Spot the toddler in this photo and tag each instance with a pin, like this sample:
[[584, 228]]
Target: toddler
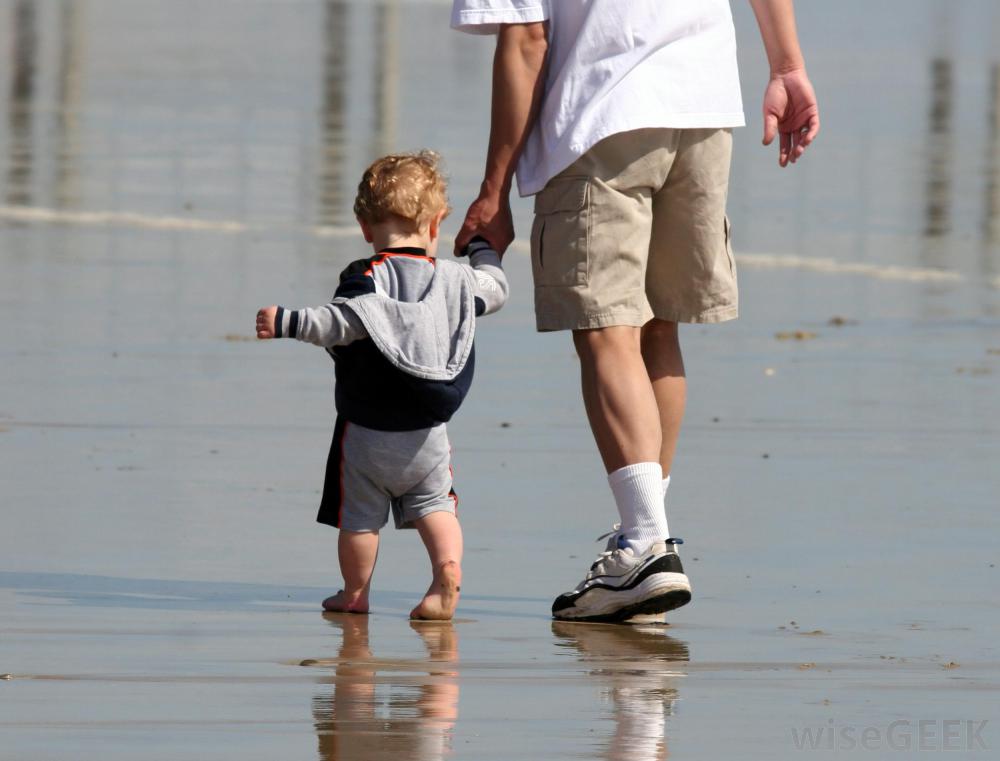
[[400, 330]]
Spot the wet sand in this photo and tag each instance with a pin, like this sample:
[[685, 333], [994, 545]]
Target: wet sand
[[160, 570]]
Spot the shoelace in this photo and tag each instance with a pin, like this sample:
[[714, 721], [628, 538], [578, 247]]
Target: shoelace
[[614, 530], [601, 557], [606, 554]]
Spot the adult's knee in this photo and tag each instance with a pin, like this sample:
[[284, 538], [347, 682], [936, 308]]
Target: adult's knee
[[660, 336], [610, 340], [659, 330]]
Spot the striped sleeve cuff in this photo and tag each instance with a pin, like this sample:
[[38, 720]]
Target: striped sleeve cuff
[[286, 323], [485, 257], [476, 245]]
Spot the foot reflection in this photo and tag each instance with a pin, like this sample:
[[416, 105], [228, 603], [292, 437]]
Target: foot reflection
[[640, 667], [379, 708]]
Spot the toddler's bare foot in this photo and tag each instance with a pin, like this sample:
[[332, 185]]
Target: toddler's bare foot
[[345, 603], [442, 596]]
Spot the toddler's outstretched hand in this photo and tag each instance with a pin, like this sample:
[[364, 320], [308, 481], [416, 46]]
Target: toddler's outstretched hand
[[265, 322]]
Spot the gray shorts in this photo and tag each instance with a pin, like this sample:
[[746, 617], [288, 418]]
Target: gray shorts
[[369, 473]]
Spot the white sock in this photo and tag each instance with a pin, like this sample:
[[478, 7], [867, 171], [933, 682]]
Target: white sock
[[666, 485], [638, 491]]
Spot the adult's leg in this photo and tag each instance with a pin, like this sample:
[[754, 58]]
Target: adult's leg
[[661, 354], [624, 417], [618, 395], [691, 275], [357, 552], [638, 574]]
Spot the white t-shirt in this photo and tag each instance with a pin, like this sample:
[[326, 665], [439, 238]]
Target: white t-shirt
[[618, 65]]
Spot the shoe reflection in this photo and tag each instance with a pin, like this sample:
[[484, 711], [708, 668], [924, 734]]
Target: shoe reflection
[[639, 667], [388, 709]]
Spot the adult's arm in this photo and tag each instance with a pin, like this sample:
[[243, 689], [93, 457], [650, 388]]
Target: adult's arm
[[518, 66], [790, 107]]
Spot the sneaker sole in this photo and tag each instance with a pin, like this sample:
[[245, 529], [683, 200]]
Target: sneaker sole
[[659, 593]]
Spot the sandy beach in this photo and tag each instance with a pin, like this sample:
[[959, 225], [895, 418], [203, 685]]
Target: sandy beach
[[168, 166]]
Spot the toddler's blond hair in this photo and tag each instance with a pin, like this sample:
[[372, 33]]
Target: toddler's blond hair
[[409, 186]]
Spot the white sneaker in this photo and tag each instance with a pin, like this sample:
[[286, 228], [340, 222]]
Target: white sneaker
[[621, 585]]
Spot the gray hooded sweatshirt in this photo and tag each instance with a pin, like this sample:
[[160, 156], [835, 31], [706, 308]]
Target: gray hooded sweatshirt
[[401, 330]]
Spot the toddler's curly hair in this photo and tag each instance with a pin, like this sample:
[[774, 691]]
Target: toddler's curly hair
[[409, 186]]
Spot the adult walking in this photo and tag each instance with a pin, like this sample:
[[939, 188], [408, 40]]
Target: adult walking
[[617, 117]]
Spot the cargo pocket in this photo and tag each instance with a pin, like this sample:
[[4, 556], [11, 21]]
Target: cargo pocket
[[560, 234]]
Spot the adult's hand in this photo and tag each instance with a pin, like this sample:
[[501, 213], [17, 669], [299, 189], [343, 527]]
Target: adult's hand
[[791, 112], [489, 216]]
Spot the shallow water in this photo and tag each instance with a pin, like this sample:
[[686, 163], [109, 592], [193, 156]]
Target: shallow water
[[168, 167]]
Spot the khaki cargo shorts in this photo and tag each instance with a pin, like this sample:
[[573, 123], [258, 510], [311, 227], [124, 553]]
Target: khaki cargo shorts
[[636, 228]]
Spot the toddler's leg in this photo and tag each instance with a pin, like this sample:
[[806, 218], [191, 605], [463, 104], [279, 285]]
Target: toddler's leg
[[356, 551], [442, 536]]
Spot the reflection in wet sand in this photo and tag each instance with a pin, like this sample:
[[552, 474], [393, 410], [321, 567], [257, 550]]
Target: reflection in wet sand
[[19, 114], [991, 205], [386, 77], [640, 667], [937, 210], [410, 718], [68, 94], [332, 118], [382, 82]]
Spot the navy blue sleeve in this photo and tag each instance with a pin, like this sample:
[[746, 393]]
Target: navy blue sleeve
[[355, 279]]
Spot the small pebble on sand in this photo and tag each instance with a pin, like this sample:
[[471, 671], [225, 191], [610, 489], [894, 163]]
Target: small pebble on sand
[[794, 335], [838, 322]]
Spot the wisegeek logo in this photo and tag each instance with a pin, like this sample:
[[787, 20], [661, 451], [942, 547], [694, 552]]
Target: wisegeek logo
[[902, 735]]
